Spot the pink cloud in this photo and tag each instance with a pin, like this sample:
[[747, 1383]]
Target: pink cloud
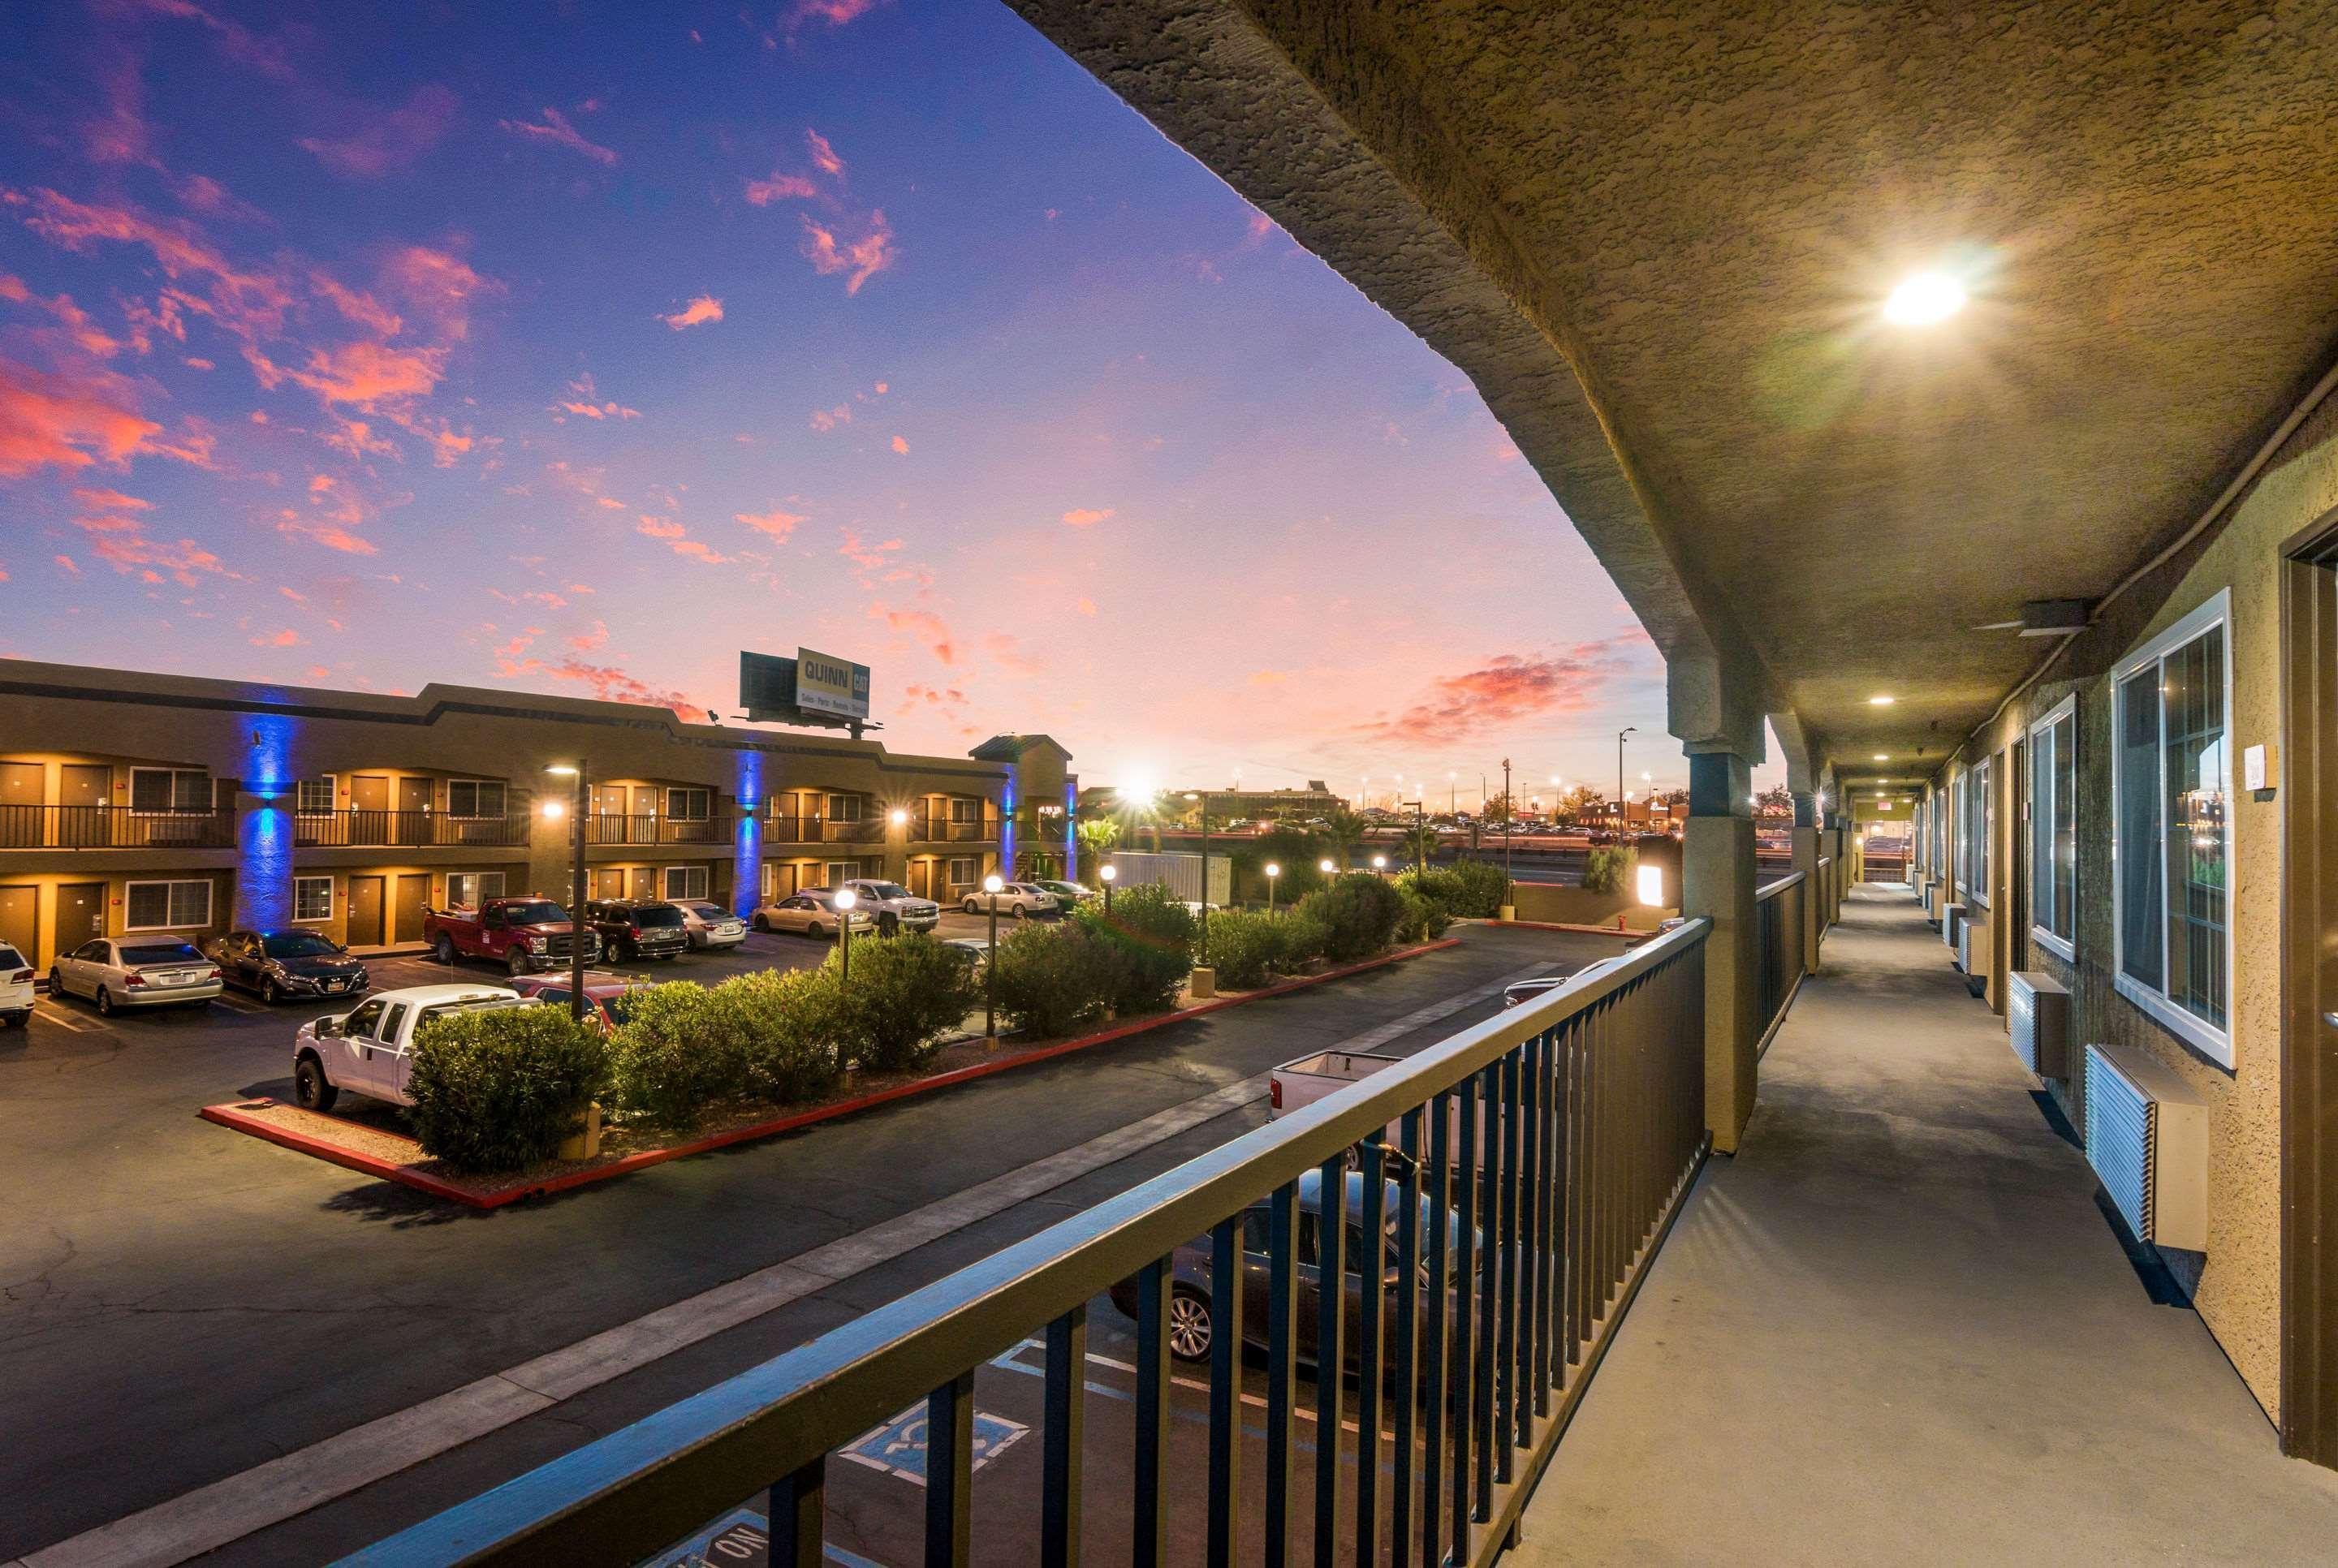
[[776, 523], [867, 556], [1086, 606], [778, 188], [244, 301], [823, 156], [824, 420], [66, 423], [1502, 691], [66, 561], [180, 561], [357, 306], [556, 131], [390, 142], [901, 445], [1007, 653], [614, 685], [704, 308], [362, 373], [111, 501], [863, 257], [1087, 516], [587, 642], [923, 625], [288, 637], [835, 13], [660, 527], [438, 286]]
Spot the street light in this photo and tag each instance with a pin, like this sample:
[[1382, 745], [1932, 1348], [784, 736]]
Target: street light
[[993, 885], [846, 899], [1379, 864], [1111, 874], [575, 884], [1205, 800], [1325, 867], [1622, 817], [1272, 871]]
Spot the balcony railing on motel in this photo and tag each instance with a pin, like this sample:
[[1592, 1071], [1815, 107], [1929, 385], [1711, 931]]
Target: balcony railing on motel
[[809, 827], [935, 829], [1779, 935], [646, 827], [113, 828], [364, 827], [1522, 1172]]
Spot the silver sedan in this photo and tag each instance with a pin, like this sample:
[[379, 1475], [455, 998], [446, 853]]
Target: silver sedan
[[135, 972], [710, 924]]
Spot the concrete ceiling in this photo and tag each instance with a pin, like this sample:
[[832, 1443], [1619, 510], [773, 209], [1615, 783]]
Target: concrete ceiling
[[1658, 239]]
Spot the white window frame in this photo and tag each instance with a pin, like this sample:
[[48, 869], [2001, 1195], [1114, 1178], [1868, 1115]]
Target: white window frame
[[174, 775], [2214, 1043], [949, 871], [300, 882], [475, 814], [1981, 802], [705, 882], [331, 783], [698, 803], [2044, 806], [170, 897], [481, 879], [830, 869]]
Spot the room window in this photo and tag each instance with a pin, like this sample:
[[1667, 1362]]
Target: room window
[[844, 808], [474, 798], [964, 810], [685, 882], [317, 795], [312, 898], [2053, 830], [689, 805], [166, 906], [467, 889], [1979, 826], [160, 789], [839, 872], [2171, 846], [962, 872]]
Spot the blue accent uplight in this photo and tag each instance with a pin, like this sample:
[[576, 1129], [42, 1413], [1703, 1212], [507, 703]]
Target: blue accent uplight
[[1007, 825], [270, 769], [263, 868], [1071, 830], [747, 853]]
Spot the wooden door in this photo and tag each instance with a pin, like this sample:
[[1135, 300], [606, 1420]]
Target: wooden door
[[20, 921], [21, 788], [81, 914], [413, 894], [85, 790], [365, 926], [645, 881], [369, 810], [413, 813]]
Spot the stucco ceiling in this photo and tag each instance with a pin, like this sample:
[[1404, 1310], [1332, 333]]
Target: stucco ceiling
[[1694, 211]]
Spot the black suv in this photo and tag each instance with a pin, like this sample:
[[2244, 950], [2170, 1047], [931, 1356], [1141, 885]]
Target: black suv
[[635, 928]]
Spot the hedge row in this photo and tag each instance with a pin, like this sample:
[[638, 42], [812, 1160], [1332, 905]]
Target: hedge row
[[1053, 977]]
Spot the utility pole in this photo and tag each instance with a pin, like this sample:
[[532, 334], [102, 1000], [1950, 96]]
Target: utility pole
[[1622, 819], [1510, 809]]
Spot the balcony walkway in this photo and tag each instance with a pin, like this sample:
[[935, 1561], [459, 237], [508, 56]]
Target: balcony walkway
[[1896, 1328]]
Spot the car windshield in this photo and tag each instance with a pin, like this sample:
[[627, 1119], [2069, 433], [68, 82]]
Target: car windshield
[[161, 952], [298, 945], [657, 915], [541, 911], [709, 911], [887, 890]]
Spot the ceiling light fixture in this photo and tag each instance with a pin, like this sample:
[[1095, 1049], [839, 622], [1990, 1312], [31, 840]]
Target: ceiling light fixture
[[1880, 702], [1924, 299]]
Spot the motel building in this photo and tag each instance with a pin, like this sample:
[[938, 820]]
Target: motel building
[[132, 803]]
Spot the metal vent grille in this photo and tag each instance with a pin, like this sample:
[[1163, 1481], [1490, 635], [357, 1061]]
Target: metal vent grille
[[2121, 1140], [1964, 945], [2021, 1020], [2037, 1021], [1952, 919]]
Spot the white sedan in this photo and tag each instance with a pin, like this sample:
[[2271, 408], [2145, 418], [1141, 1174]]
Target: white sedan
[[1016, 898], [15, 986], [811, 913], [135, 972], [710, 924]]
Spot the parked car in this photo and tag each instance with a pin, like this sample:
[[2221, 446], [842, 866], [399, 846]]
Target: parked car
[[894, 908], [607, 997], [1016, 898], [371, 1051], [634, 929], [976, 950], [710, 924], [523, 934], [1194, 1319], [135, 972], [1069, 896], [295, 963], [1519, 991], [15, 988], [811, 913]]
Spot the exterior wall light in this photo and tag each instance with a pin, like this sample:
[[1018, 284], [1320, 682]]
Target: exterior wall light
[[1924, 301]]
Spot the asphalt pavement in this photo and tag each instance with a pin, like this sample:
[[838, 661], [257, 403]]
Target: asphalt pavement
[[179, 1303]]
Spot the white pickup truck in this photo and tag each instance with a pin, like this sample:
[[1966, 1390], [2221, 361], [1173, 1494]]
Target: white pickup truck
[[371, 1051]]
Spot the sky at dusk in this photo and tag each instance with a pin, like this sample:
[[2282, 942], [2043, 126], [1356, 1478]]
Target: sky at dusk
[[575, 348]]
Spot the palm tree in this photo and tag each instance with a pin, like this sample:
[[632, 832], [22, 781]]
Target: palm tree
[[1420, 841], [1343, 829], [1096, 840]]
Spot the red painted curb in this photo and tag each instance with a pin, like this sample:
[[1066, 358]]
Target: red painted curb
[[228, 1116], [1562, 926]]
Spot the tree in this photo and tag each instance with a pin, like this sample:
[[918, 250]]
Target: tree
[[1777, 800], [1096, 840], [1420, 841], [1581, 802], [1499, 808], [1344, 829]]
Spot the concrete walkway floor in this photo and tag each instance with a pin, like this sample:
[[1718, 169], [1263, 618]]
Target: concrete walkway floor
[[1897, 1328]]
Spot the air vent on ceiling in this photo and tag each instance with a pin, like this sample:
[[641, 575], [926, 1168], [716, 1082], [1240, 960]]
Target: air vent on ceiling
[[2148, 1139], [2037, 1017]]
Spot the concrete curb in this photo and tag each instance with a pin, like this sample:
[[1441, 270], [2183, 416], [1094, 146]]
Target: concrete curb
[[231, 1116]]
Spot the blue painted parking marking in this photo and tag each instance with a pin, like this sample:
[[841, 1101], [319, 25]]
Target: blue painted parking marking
[[740, 1539], [899, 1446]]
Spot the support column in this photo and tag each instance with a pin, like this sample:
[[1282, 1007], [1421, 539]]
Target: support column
[[1718, 877], [1806, 861], [263, 862]]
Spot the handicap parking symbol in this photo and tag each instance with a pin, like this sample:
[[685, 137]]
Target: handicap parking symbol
[[897, 1447]]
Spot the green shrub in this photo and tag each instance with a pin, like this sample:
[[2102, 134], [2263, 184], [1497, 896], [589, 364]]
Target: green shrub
[[906, 993], [677, 1052], [1479, 889], [499, 1090], [1152, 935], [1050, 979], [1424, 918], [1301, 938], [1609, 870], [789, 1033], [1247, 945], [1359, 914]]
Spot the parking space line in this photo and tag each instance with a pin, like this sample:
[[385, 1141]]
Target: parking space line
[[239, 1005], [55, 1013]]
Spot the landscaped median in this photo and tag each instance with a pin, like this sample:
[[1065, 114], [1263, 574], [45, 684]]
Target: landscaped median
[[694, 1068]]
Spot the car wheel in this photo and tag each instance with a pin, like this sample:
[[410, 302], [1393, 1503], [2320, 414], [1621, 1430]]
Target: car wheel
[[515, 961], [106, 1001], [444, 950], [968, 907], [1192, 1328], [270, 993], [309, 1087], [762, 924], [1017, 911], [889, 925], [56, 986], [816, 931]]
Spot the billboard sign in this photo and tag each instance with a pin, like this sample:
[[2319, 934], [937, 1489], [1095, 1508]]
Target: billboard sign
[[827, 685]]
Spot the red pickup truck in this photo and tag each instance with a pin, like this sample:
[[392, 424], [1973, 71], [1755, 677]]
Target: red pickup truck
[[522, 935]]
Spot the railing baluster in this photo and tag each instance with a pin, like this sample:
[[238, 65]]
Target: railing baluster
[[798, 1516], [1226, 1285], [1331, 1345], [1504, 1436], [1410, 1238], [950, 1473], [1547, 1230], [1150, 1526], [1374, 1270], [1467, 1180], [1489, 1259], [1528, 1319], [1281, 1365], [1436, 1347], [1065, 1418], [1579, 1210]]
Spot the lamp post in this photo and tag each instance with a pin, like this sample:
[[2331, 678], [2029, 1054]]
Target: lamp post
[[1380, 865], [846, 901], [1421, 833], [577, 926], [1325, 867], [991, 885], [1272, 871], [1111, 874], [1509, 811], [1620, 817], [1205, 800]]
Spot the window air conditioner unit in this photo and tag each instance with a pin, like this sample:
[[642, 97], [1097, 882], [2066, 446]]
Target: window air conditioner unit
[[1952, 920], [1965, 943], [1933, 899], [2148, 1139], [2038, 1016]]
